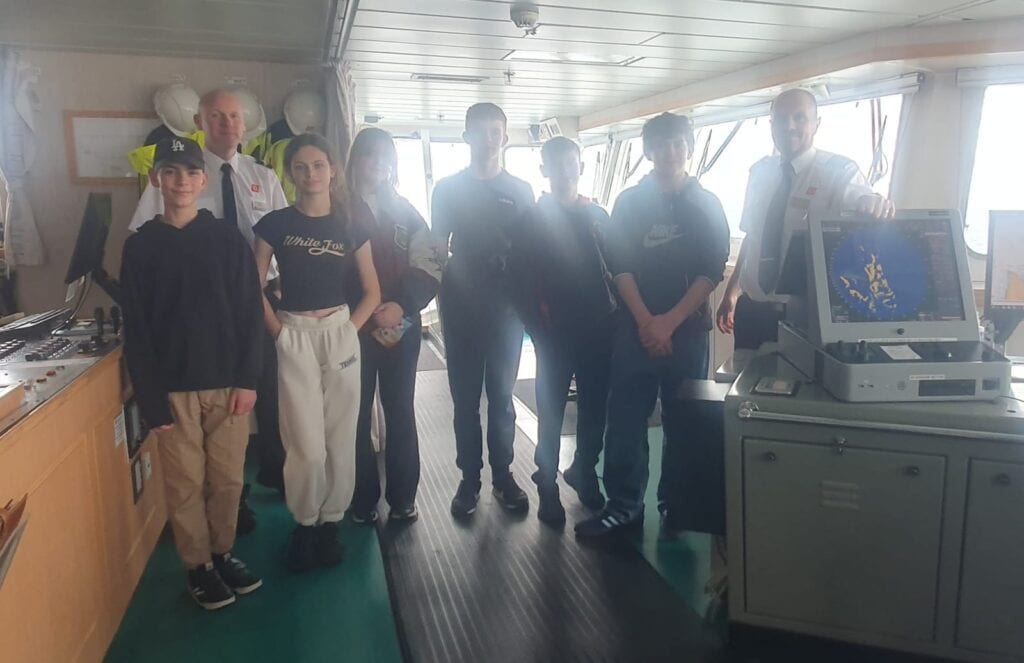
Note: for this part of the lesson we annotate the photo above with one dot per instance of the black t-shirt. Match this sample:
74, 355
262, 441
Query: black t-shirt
482, 217
315, 256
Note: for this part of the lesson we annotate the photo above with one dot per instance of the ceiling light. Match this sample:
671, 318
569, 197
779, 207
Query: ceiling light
572, 58
448, 78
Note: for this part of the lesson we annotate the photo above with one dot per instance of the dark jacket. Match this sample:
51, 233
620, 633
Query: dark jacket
667, 241
404, 254
562, 279
193, 316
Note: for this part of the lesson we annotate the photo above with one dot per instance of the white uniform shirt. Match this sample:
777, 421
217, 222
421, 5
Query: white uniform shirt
765, 177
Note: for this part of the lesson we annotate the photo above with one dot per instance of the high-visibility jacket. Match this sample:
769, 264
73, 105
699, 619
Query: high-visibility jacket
141, 158
268, 148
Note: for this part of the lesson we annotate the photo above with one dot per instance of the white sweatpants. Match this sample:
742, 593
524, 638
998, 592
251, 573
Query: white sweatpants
318, 377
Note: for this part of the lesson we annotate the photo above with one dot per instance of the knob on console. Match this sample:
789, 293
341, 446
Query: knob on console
100, 321
115, 320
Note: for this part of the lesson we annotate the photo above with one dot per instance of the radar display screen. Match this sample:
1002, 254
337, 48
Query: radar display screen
892, 271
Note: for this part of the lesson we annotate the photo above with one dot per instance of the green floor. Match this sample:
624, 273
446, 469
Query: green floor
683, 560
341, 614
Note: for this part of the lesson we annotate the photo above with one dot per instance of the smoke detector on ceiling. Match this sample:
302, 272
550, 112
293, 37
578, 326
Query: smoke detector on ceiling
526, 16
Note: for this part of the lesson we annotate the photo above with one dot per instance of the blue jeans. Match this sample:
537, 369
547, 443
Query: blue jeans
559, 358
483, 340
636, 383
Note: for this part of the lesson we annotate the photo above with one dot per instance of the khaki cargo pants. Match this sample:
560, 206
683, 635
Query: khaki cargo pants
202, 458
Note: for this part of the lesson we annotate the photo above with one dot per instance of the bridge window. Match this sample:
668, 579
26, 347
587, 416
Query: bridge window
412, 178
865, 131
996, 180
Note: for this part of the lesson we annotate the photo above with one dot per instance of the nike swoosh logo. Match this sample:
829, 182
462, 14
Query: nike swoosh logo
651, 242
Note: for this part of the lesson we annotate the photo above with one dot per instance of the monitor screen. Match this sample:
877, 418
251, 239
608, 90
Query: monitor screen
903, 270
92, 238
1004, 282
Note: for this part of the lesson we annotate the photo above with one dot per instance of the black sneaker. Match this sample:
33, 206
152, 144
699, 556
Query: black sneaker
246, 516
606, 524
550, 510
271, 478
404, 513
208, 589
364, 517
329, 550
466, 497
586, 487
672, 522
510, 496
235, 574
302, 549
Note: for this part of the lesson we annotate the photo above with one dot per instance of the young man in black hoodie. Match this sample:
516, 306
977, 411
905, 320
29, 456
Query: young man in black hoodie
569, 312
668, 241
193, 343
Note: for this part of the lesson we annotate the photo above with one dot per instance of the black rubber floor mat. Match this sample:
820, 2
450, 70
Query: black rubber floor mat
526, 391
507, 588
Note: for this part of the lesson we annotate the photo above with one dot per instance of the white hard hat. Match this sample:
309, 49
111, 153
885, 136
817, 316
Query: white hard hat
177, 105
304, 111
252, 111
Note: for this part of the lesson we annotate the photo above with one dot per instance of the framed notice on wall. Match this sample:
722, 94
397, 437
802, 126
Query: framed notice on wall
98, 143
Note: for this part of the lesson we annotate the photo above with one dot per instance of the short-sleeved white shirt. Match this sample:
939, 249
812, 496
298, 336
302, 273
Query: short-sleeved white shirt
765, 177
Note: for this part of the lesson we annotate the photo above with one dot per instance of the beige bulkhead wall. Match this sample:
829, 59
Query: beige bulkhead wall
98, 82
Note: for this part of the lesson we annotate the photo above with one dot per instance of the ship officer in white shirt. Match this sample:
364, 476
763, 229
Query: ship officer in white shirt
783, 191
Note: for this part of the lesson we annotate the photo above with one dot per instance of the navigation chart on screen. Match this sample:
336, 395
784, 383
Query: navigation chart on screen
1007, 255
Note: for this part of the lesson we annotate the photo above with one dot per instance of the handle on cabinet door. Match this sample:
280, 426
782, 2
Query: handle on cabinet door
1003, 479
912, 470
770, 456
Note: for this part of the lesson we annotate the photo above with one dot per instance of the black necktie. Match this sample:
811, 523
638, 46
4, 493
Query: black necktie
228, 193
771, 236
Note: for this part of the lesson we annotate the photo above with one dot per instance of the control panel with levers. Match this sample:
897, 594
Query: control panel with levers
7, 348
19, 351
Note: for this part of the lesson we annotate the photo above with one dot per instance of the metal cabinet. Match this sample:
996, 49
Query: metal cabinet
843, 537
991, 610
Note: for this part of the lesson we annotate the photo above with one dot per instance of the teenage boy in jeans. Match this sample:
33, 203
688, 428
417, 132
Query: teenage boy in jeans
569, 312
481, 209
193, 342
668, 243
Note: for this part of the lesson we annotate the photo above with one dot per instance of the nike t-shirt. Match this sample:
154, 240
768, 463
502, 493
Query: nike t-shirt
668, 240
316, 255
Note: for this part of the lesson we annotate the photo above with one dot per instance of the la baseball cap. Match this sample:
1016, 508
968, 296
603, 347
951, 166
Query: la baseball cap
184, 151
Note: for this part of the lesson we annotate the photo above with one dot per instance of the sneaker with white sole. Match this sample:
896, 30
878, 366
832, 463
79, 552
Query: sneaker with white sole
208, 589
235, 574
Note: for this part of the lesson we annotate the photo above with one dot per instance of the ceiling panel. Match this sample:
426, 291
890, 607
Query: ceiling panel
473, 41
240, 29
555, 19
991, 10
467, 91
502, 28
654, 15
535, 72
893, 7
567, 85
